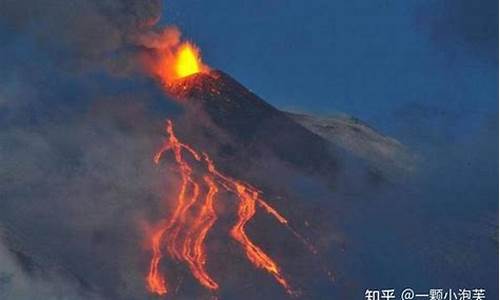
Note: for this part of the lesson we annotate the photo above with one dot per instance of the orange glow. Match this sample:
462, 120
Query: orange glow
156, 281
194, 249
187, 60
246, 212
185, 231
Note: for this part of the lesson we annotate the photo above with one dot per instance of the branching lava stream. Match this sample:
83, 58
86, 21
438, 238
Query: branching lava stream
183, 233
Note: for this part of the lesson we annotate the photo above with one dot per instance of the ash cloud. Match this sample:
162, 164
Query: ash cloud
82, 35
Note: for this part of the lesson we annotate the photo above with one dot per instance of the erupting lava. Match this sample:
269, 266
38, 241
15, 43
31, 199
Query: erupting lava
188, 60
184, 232
175, 61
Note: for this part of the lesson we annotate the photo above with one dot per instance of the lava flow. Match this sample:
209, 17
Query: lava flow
184, 232
175, 61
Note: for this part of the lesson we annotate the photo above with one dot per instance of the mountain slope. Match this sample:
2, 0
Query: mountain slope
253, 124
361, 140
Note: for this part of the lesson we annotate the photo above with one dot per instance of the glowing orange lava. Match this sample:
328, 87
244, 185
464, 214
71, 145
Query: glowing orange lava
156, 281
185, 231
175, 61
187, 60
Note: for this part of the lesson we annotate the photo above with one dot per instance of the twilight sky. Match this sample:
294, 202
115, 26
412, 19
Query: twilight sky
366, 58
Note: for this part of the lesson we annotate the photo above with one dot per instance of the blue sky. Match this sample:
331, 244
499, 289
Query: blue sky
365, 58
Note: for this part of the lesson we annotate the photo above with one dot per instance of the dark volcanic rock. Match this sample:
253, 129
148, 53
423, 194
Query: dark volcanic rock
253, 123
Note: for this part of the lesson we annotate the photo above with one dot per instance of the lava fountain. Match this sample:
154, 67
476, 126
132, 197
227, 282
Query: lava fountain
188, 60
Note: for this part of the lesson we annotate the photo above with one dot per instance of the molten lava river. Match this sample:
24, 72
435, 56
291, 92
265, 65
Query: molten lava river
183, 235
